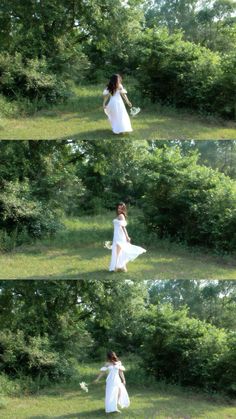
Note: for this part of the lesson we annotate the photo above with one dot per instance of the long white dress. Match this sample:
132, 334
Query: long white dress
128, 251
117, 113
116, 393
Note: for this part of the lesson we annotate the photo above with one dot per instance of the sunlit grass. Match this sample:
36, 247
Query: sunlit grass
78, 252
83, 118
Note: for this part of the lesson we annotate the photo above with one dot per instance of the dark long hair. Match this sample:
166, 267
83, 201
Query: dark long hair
112, 357
114, 82
124, 209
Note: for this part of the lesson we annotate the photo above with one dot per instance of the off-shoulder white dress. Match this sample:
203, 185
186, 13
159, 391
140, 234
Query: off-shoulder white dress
128, 251
116, 393
117, 113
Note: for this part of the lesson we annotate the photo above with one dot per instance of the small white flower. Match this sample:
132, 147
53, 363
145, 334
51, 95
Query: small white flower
84, 386
108, 245
134, 111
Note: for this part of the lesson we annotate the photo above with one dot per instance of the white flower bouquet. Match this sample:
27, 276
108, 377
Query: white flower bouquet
134, 111
108, 245
84, 386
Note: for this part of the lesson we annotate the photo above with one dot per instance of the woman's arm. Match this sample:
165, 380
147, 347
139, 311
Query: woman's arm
125, 97
105, 100
126, 234
98, 377
122, 377
121, 217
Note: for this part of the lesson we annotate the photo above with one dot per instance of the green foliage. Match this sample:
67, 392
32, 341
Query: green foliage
225, 372
116, 27
185, 350
42, 333
183, 74
31, 80
223, 94
107, 181
211, 24
189, 50
23, 217
213, 301
189, 202
35, 187
31, 356
121, 329
7, 108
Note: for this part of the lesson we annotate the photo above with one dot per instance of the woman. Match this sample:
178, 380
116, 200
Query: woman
116, 393
114, 107
122, 250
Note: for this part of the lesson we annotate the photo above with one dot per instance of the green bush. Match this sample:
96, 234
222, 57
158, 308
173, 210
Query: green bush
225, 371
222, 98
30, 80
7, 108
183, 74
186, 351
188, 202
31, 356
22, 216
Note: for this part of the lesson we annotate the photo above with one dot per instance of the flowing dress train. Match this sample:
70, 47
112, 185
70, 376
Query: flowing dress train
117, 113
128, 251
116, 393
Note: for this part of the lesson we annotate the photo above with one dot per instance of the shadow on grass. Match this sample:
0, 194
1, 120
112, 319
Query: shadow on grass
93, 414
98, 134
166, 406
194, 129
103, 275
149, 126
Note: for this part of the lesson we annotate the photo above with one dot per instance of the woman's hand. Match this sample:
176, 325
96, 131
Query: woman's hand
128, 239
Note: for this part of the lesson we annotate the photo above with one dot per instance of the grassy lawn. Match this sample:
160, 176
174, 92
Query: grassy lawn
78, 252
83, 118
148, 401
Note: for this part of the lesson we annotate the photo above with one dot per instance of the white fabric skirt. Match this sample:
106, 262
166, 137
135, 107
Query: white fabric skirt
127, 253
118, 115
116, 395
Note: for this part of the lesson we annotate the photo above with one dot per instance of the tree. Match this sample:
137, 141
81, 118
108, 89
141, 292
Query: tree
189, 202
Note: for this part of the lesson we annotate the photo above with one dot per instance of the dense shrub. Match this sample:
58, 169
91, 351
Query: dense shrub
226, 367
184, 74
43, 334
32, 356
31, 80
222, 98
189, 202
8, 108
22, 216
187, 351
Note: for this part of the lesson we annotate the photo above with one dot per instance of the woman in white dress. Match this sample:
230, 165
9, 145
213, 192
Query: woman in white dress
116, 393
114, 106
122, 250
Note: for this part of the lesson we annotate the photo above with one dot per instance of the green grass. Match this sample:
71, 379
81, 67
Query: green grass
83, 118
78, 252
148, 401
